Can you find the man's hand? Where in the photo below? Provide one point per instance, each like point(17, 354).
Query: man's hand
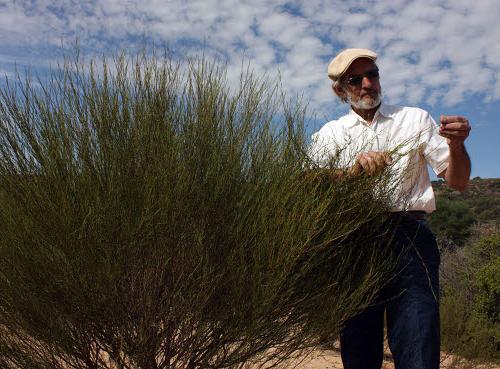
point(455, 128)
point(370, 162)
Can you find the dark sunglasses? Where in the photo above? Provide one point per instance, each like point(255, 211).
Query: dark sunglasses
point(357, 79)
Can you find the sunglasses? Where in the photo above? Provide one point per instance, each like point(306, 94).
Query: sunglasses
point(357, 79)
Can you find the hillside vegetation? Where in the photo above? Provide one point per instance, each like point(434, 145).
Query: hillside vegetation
point(482, 197)
point(458, 212)
point(467, 226)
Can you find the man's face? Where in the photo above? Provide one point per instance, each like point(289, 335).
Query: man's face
point(361, 86)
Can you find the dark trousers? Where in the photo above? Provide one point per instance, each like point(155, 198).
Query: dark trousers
point(410, 301)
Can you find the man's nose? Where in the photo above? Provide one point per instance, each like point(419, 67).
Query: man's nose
point(366, 82)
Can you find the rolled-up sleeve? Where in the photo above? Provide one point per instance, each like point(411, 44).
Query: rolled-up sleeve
point(436, 151)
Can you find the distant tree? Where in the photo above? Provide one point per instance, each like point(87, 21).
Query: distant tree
point(153, 217)
point(452, 221)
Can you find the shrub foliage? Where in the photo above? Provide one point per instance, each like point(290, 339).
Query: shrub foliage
point(452, 221)
point(153, 217)
point(470, 298)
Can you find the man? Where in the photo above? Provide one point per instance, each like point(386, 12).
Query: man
point(370, 137)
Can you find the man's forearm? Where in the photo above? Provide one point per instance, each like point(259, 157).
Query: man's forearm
point(458, 171)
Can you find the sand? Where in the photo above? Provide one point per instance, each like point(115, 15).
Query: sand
point(330, 359)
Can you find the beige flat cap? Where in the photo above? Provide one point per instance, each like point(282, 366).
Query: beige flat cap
point(344, 59)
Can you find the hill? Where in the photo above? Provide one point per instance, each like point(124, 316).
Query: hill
point(458, 212)
point(482, 196)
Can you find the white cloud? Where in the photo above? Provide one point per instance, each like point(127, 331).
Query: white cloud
point(431, 51)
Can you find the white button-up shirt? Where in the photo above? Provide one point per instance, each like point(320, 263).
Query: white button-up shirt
point(409, 135)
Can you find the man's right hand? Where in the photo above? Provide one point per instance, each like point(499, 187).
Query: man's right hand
point(371, 163)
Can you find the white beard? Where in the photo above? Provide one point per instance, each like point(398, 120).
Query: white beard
point(365, 104)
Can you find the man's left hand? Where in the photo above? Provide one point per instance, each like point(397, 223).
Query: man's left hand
point(455, 128)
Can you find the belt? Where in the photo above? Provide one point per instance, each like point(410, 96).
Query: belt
point(412, 214)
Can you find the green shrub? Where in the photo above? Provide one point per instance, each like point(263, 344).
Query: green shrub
point(452, 221)
point(470, 299)
point(152, 218)
point(464, 333)
point(488, 296)
point(488, 283)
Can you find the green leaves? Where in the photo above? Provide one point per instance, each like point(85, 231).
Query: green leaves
point(452, 220)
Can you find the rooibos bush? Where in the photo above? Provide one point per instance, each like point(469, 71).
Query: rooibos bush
point(152, 218)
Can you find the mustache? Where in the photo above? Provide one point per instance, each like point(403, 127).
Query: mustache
point(370, 92)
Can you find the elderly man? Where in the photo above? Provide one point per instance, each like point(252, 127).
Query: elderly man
point(369, 136)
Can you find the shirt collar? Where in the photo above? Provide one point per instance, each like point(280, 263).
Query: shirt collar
point(353, 118)
point(385, 110)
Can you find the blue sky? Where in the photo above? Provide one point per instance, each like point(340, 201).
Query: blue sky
point(441, 55)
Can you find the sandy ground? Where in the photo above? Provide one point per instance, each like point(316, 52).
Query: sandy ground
point(330, 359)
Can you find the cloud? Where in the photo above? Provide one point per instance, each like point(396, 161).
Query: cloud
point(430, 51)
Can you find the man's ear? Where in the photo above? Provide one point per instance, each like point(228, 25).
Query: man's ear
point(339, 91)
